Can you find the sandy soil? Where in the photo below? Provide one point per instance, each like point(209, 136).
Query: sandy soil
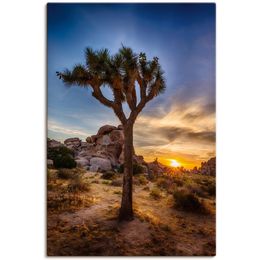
point(158, 229)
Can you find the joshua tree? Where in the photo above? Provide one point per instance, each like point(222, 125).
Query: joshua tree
point(124, 73)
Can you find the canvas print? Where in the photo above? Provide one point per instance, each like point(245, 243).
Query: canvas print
point(131, 162)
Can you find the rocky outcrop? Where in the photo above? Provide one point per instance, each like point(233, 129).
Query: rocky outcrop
point(206, 168)
point(155, 168)
point(209, 167)
point(73, 143)
point(100, 152)
point(51, 143)
point(106, 129)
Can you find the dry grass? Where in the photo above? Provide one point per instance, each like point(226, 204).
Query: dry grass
point(117, 182)
point(67, 202)
point(155, 193)
point(82, 221)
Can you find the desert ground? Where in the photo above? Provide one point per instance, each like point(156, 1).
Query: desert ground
point(83, 206)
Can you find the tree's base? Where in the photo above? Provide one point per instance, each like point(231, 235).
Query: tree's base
point(125, 217)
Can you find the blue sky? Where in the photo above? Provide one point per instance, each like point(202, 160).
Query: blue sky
point(181, 122)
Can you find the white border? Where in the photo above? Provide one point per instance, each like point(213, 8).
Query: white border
point(22, 101)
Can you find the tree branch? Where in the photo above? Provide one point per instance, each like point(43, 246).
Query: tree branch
point(116, 106)
point(100, 97)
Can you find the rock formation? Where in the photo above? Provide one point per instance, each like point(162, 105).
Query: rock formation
point(102, 151)
point(51, 143)
point(209, 167)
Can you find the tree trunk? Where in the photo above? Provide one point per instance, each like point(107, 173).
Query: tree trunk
point(126, 210)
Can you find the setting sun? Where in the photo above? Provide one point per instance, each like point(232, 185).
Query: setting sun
point(174, 163)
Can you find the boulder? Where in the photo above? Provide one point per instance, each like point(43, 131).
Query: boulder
point(53, 143)
point(114, 149)
point(103, 140)
point(117, 136)
point(102, 163)
point(84, 154)
point(72, 140)
point(73, 143)
point(82, 162)
point(94, 138)
point(49, 162)
point(93, 168)
point(89, 139)
point(106, 129)
point(85, 145)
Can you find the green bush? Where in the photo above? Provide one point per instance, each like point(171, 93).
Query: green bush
point(62, 157)
point(188, 201)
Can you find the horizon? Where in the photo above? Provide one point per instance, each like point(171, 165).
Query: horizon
point(180, 124)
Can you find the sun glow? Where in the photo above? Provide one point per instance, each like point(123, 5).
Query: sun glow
point(174, 163)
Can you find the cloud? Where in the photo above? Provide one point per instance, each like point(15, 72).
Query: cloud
point(173, 133)
point(186, 132)
point(66, 130)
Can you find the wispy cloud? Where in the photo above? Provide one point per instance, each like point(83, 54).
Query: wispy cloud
point(66, 130)
point(186, 132)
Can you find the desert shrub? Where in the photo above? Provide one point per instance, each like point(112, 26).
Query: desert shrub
point(78, 184)
point(62, 157)
point(67, 201)
point(196, 189)
point(117, 182)
point(65, 162)
point(188, 201)
point(137, 168)
point(207, 184)
point(179, 180)
point(65, 173)
point(142, 180)
point(119, 192)
point(155, 193)
point(166, 183)
point(108, 175)
point(146, 188)
point(210, 188)
point(107, 182)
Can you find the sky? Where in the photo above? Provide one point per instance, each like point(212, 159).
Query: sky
point(179, 124)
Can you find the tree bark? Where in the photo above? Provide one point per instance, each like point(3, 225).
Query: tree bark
point(126, 210)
